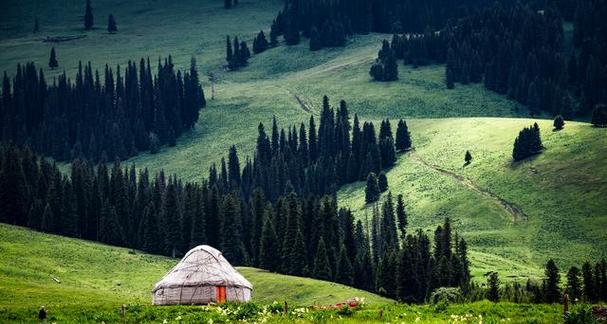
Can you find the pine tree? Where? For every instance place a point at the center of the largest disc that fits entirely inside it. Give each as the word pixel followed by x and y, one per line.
pixel 231 234
pixel 401 215
pixel 589 291
pixel 111 24
pixel 88 16
pixel 574 284
pixel 372 190
pixel 268 249
pixel 344 273
pixel 552 292
pixel 493 282
pixel 599 116
pixel 52 62
pixel 322 267
pixel 382 182
pixel 468 158
pixel 403 138
pixel 315 42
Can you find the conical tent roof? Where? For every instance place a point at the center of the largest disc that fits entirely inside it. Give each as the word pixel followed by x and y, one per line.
pixel 203 266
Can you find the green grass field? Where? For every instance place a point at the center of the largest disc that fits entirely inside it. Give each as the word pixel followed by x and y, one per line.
pixel 558 192
pixel 95 280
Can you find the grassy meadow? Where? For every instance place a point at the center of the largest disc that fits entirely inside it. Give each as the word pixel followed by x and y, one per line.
pixel 95 280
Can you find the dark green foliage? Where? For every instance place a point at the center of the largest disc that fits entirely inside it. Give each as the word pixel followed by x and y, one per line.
pixel 36 25
pixel 260 43
pixel 237 54
pixel 232 232
pixel 403 137
pixel 88 16
pixel 382 182
pixel 385 67
pixel 322 267
pixel 372 190
pixel 268 247
pixel 493 284
pixel 589 291
pixel 227 4
pixel 552 291
pixel 52 61
pixel 599 116
pixel 344 273
pixel 574 284
pixel 559 122
pixel 111 24
pixel 527 143
pixel 468 158
pixel 122 111
pixel 315 41
pixel 401 216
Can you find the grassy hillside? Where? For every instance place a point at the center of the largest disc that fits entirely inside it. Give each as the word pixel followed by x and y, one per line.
pixel 269 86
pixel 95 274
pixel 514 215
pixel 95 280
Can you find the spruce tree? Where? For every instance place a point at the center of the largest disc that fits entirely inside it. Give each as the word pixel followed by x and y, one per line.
pixel 589 291
pixel 401 215
pixel 552 292
pixel 344 272
pixel 111 24
pixel 559 122
pixel 468 158
pixel 493 292
pixel 574 284
pixel 315 42
pixel 268 246
pixel 88 16
pixel 322 267
pixel 52 62
pixel 382 182
pixel 372 190
pixel 403 138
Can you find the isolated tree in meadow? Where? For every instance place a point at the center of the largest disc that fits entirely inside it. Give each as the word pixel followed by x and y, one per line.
pixel 559 122
pixel 372 189
pixel 88 16
pixel 52 61
pixel 260 43
pixel 552 292
pixel 527 143
pixel 468 157
pixel 574 284
pixel 382 182
pixel 111 24
pixel 493 284
pixel 403 138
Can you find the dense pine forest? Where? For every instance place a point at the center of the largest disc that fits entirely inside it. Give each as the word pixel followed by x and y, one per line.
pixel 519 51
pixel 100 118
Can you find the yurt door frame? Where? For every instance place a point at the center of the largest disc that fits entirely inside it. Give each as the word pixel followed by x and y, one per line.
pixel 220 294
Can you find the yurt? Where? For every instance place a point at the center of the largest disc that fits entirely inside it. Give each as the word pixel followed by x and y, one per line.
pixel 203 276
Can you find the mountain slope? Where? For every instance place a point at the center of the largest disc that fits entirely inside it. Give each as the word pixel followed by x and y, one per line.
pixel 92 274
pixel 514 215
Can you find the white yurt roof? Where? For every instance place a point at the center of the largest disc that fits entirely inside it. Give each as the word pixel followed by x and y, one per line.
pixel 203 266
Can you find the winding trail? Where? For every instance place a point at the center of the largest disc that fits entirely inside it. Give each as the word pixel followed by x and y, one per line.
pixel 510 208
pixel 301 103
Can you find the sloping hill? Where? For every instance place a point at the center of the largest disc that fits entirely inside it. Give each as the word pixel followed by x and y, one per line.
pixel 514 215
pixel 40 269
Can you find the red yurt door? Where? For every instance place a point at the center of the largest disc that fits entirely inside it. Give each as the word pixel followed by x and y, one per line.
pixel 220 293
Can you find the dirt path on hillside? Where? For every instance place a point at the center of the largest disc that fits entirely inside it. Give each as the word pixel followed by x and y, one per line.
pixel 510 208
pixel 301 103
